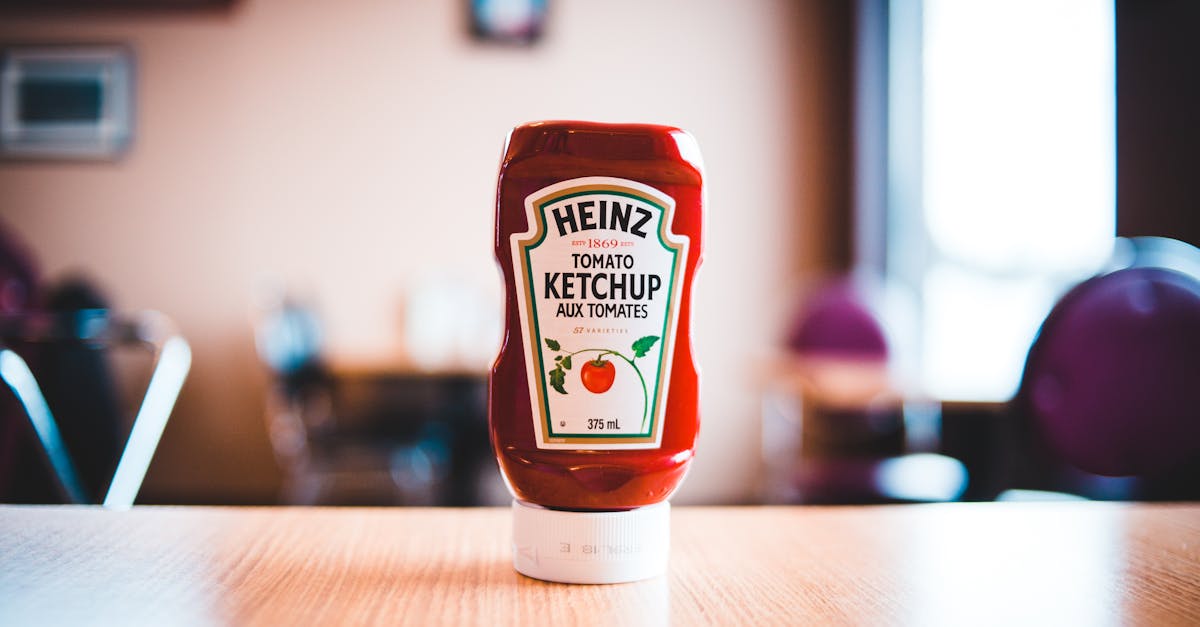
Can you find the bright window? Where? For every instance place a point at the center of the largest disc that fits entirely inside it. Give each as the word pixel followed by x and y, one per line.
pixel 1015 192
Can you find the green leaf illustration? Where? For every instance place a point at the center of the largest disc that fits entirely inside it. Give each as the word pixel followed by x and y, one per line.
pixel 553 344
pixel 566 362
pixel 642 346
pixel 557 379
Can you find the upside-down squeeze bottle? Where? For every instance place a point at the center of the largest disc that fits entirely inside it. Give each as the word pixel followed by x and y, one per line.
pixel 593 399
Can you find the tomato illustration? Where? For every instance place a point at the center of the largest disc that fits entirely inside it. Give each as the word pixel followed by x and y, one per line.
pixel 597 375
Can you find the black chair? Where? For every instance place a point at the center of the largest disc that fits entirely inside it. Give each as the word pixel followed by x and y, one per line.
pixel 83 334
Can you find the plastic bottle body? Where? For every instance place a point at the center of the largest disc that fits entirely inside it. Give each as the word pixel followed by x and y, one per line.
pixel 583 478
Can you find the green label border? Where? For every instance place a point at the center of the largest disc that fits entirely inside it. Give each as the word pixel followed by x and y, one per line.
pixel 538 341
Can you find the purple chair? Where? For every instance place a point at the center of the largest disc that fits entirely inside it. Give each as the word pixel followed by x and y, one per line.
pixel 837 322
pixel 849 452
pixel 19 282
pixel 1112 382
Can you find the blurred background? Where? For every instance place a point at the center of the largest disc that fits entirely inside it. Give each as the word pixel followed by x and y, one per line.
pixel 899 193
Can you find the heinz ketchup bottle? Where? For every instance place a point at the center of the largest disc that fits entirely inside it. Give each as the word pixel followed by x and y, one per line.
pixel 593 400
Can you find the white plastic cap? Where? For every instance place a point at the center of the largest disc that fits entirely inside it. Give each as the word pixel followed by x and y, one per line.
pixel 591 547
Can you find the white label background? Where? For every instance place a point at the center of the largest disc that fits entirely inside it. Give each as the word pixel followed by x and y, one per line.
pixel 659 253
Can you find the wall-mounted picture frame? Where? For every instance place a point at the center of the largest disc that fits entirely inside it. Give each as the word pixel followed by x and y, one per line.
pixel 66 102
pixel 508 21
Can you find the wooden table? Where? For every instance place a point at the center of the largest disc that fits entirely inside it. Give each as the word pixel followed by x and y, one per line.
pixel 957 564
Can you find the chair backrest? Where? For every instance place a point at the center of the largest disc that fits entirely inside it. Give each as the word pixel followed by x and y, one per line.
pixel 172 361
pixel 1112 381
pixel 837 321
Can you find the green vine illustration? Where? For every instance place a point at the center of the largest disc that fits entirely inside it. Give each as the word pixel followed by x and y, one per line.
pixel 594 368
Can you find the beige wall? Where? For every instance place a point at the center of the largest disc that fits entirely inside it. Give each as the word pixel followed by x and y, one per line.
pixel 349 149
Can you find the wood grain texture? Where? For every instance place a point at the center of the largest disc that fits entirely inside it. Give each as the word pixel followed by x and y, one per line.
pixel 1068 563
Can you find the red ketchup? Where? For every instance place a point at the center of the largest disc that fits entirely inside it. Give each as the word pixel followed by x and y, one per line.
pixel 593 400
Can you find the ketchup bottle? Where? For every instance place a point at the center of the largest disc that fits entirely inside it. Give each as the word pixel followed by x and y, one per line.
pixel 593 400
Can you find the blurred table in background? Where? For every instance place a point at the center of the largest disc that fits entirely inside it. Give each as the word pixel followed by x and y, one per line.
pixel 952 564
pixel 383 436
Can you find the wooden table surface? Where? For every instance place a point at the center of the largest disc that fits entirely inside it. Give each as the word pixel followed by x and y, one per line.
pixel 956 564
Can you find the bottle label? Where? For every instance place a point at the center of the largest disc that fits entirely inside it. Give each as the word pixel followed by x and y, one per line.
pixel 599 276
